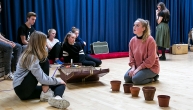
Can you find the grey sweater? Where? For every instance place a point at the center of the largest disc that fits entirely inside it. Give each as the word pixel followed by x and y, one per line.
pixel 36 70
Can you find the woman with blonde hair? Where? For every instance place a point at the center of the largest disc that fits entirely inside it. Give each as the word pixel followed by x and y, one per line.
pixel 54 46
pixel 143 58
pixel 73 51
pixel 33 67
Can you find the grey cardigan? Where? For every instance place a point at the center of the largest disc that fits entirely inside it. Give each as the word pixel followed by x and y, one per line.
pixel 36 70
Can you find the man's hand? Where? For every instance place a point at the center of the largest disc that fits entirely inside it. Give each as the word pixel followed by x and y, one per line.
pixel 11 43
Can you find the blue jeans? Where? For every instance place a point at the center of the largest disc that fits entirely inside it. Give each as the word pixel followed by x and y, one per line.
pixel 7 50
pixel 143 76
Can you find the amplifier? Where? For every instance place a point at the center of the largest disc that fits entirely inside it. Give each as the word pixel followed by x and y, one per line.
pixel 99 47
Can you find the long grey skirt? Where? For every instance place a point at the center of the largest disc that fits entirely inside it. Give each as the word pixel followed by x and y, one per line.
pixel 163 35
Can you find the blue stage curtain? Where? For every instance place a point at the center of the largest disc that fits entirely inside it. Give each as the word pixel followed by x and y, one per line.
pixel 98 20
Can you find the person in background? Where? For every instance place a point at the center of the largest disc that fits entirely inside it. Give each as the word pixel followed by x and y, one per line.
pixel 54 46
pixel 25 30
pixel 33 68
pixel 8 49
pixel 76 31
pixel 73 51
pixel 190 38
pixel 162 30
pixel 143 58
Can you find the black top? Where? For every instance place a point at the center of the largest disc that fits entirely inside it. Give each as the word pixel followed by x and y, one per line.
pixel 165 16
pixel 139 37
pixel 23 30
pixel 74 52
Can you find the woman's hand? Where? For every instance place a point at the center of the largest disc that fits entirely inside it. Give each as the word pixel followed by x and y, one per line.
pixel 62 82
pixel 157 11
pixel 131 72
pixel 135 72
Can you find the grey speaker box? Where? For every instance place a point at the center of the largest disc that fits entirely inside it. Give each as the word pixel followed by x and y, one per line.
pixel 99 47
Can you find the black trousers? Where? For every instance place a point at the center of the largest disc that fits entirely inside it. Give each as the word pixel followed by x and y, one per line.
pixel 29 89
pixel 55 52
pixel 90 61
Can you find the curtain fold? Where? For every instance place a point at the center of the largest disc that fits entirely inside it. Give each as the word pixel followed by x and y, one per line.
pixel 98 20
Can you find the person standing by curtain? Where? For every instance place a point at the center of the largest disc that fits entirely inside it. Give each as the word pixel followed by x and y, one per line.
pixel 33 67
pixel 190 39
pixel 162 30
pixel 8 47
pixel 143 58
pixel 25 30
pixel 54 46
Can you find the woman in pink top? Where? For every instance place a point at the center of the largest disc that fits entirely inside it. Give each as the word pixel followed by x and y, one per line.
pixel 143 58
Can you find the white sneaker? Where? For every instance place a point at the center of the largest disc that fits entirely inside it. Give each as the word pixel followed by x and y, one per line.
pixel 45 96
pixel 9 76
pixel 58 103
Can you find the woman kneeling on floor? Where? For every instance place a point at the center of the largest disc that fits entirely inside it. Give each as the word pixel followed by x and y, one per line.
pixel 33 67
pixel 143 58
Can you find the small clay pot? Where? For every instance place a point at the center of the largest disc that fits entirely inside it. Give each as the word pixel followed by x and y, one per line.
pixel 149 92
pixel 115 85
pixel 135 91
pixel 163 100
pixel 127 87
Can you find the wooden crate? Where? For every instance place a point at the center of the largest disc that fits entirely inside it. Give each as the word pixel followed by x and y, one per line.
pixel 178 49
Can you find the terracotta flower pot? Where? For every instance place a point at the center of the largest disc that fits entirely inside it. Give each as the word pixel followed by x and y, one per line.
pixel 127 87
pixel 135 91
pixel 149 92
pixel 115 85
pixel 163 100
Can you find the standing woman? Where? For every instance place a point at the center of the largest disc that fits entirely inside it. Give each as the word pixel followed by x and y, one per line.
pixel 33 67
pixel 162 30
pixel 54 46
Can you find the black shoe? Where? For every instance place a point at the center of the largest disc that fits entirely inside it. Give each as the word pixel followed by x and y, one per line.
pixel 162 58
pixel 156 78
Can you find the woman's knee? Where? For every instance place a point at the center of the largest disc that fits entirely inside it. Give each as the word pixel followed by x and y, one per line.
pixel 127 78
pixel 135 80
pixel 8 48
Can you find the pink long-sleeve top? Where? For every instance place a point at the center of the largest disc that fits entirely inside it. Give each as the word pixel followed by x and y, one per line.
pixel 144 54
